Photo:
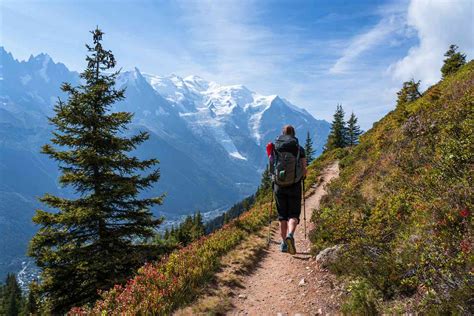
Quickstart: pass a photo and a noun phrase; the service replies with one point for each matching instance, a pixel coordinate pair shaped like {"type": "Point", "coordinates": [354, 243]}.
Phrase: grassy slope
{"type": "Point", "coordinates": [400, 205]}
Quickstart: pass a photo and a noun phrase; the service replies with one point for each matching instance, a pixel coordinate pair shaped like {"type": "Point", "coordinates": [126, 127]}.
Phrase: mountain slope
{"type": "Point", "coordinates": [401, 208]}
{"type": "Point", "coordinates": [209, 154]}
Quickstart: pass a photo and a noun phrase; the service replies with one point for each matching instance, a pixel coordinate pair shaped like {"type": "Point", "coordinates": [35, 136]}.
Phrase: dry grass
{"type": "Point", "coordinates": [215, 298]}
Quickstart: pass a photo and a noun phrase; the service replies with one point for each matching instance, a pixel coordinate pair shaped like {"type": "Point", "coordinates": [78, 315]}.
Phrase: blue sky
{"type": "Point", "coordinates": [314, 53]}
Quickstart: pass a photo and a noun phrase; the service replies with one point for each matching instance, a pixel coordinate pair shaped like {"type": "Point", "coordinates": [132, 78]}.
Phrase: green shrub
{"type": "Point", "coordinates": [363, 299]}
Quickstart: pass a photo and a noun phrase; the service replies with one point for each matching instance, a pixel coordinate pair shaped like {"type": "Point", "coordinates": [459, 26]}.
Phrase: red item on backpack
{"type": "Point", "coordinates": [270, 148]}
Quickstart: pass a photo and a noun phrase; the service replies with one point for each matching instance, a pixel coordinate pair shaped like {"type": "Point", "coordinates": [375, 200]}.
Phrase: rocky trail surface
{"type": "Point", "coordinates": [282, 284]}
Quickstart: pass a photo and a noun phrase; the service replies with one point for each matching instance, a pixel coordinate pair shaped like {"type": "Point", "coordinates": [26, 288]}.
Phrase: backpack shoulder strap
{"type": "Point", "coordinates": [297, 163]}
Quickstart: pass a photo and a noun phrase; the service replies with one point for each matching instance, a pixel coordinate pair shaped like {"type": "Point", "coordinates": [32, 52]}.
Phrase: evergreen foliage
{"type": "Point", "coordinates": [265, 183]}
{"type": "Point", "coordinates": [338, 136]}
{"type": "Point", "coordinates": [308, 149]}
{"type": "Point", "coordinates": [409, 92]}
{"type": "Point", "coordinates": [191, 229]}
{"type": "Point", "coordinates": [93, 240]}
{"type": "Point", "coordinates": [353, 131]}
{"type": "Point", "coordinates": [11, 299]}
{"type": "Point", "coordinates": [454, 60]}
{"type": "Point", "coordinates": [32, 301]}
{"type": "Point", "coordinates": [234, 212]}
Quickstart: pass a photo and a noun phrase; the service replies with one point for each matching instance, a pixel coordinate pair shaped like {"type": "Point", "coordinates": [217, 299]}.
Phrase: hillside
{"type": "Point", "coordinates": [401, 210]}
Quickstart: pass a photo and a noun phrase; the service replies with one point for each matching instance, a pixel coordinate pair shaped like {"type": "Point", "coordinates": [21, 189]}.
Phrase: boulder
{"type": "Point", "coordinates": [329, 256]}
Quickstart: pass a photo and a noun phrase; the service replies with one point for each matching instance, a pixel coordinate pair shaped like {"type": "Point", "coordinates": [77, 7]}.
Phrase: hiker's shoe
{"type": "Point", "coordinates": [283, 247]}
{"type": "Point", "coordinates": [290, 243]}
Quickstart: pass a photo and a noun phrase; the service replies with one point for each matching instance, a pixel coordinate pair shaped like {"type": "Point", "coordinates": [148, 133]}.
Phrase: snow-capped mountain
{"type": "Point", "coordinates": [232, 112]}
{"type": "Point", "coordinates": [208, 137]}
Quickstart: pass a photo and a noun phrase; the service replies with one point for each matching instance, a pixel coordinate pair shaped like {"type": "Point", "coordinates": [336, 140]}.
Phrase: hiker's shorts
{"type": "Point", "coordinates": [288, 202]}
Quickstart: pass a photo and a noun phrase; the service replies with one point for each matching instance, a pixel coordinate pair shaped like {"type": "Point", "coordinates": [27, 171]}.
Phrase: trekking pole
{"type": "Point", "coordinates": [269, 238]}
{"type": "Point", "coordinates": [304, 211]}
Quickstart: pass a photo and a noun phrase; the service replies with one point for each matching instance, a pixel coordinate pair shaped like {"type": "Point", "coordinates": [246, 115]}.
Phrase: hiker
{"type": "Point", "coordinates": [288, 168]}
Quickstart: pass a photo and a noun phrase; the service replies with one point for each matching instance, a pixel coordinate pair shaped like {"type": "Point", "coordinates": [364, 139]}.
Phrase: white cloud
{"type": "Point", "coordinates": [438, 24]}
{"type": "Point", "coordinates": [366, 41]}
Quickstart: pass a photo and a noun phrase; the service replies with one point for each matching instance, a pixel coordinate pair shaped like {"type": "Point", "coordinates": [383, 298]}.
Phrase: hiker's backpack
{"type": "Point", "coordinates": [286, 168]}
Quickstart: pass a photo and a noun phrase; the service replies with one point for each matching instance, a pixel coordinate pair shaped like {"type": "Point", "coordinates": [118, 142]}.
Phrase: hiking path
{"type": "Point", "coordinates": [282, 284]}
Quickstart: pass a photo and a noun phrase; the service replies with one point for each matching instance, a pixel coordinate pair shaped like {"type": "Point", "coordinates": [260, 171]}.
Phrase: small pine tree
{"type": "Point", "coordinates": [93, 241]}
{"type": "Point", "coordinates": [226, 218]}
{"type": "Point", "coordinates": [11, 298]}
{"type": "Point", "coordinates": [308, 149]}
{"type": "Point", "coordinates": [265, 182]}
{"type": "Point", "coordinates": [454, 60]}
{"type": "Point", "coordinates": [353, 131]}
{"type": "Point", "coordinates": [409, 92]}
{"type": "Point", "coordinates": [199, 229]}
{"type": "Point", "coordinates": [338, 136]}
{"type": "Point", "coordinates": [166, 235]}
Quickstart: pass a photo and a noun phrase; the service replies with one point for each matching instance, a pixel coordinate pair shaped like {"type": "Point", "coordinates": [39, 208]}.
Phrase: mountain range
{"type": "Point", "coordinates": [208, 137]}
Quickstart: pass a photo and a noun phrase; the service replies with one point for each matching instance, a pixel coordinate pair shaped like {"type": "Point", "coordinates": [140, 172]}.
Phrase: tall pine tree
{"type": "Point", "coordinates": [454, 60]}
{"type": "Point", "coordinates": [338, 136]}
{"type": "Point", "coordinates": [93, 241]}
{"type": "Point", "coordinates": [353, 131]}
{"type": "Point", "coordinates": [308, 149]}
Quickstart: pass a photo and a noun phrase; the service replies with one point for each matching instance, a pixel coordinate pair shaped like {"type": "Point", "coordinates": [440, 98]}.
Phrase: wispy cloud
{"type": "Point", "coordinates": [237, 47]}
{"type": "Point", "coordinates": [232, 44]}
{"type": "Point", "coordinates": [392, 21]}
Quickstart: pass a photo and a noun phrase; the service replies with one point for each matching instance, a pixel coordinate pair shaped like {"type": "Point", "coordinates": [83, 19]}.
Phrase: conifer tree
{"type": "Point", "coordinates": [265, 182]}
{"type": "Point", "coordinates": [308, 149]}
{"type": "Point", "coordinates": [11, 299]}
{"type": "Point", "coordinates": [454, 60]}
{"type": "Point", "coordinates": [93, 241]}
{"type": "Point", "coordinates": [338, 136]}
{"type": "Point", "coordinates": [226, 218]}
{"type": "Point", "coordinates": [353, 131]}
{"type": "Point", "coordinates": [190, 229]}
{"type": "Point", "coordinates": [409, 92]}
{"type": "Point", "coordinates": [199, 229]}
{"type": "Point", "coordinates": [31, 304]}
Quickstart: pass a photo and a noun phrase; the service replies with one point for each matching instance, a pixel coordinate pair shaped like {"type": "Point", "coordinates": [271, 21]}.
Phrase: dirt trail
{"type": "Point", "coordinates": [290, 285]}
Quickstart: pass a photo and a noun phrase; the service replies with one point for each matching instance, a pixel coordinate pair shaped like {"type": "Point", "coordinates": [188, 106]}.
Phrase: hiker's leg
{"type": "Point", "coordinates": [295, 210]}
{"type": "Point", "coordinates": [293, 223]}
{"type": "Point", "coordinates": [282, 208]}
{"type": "Point", "coordinates": [283, 229]}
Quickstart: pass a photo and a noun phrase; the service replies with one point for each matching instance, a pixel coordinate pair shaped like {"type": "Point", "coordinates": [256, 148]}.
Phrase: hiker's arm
{"type": "Point", "coordinates": [303, 163]}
